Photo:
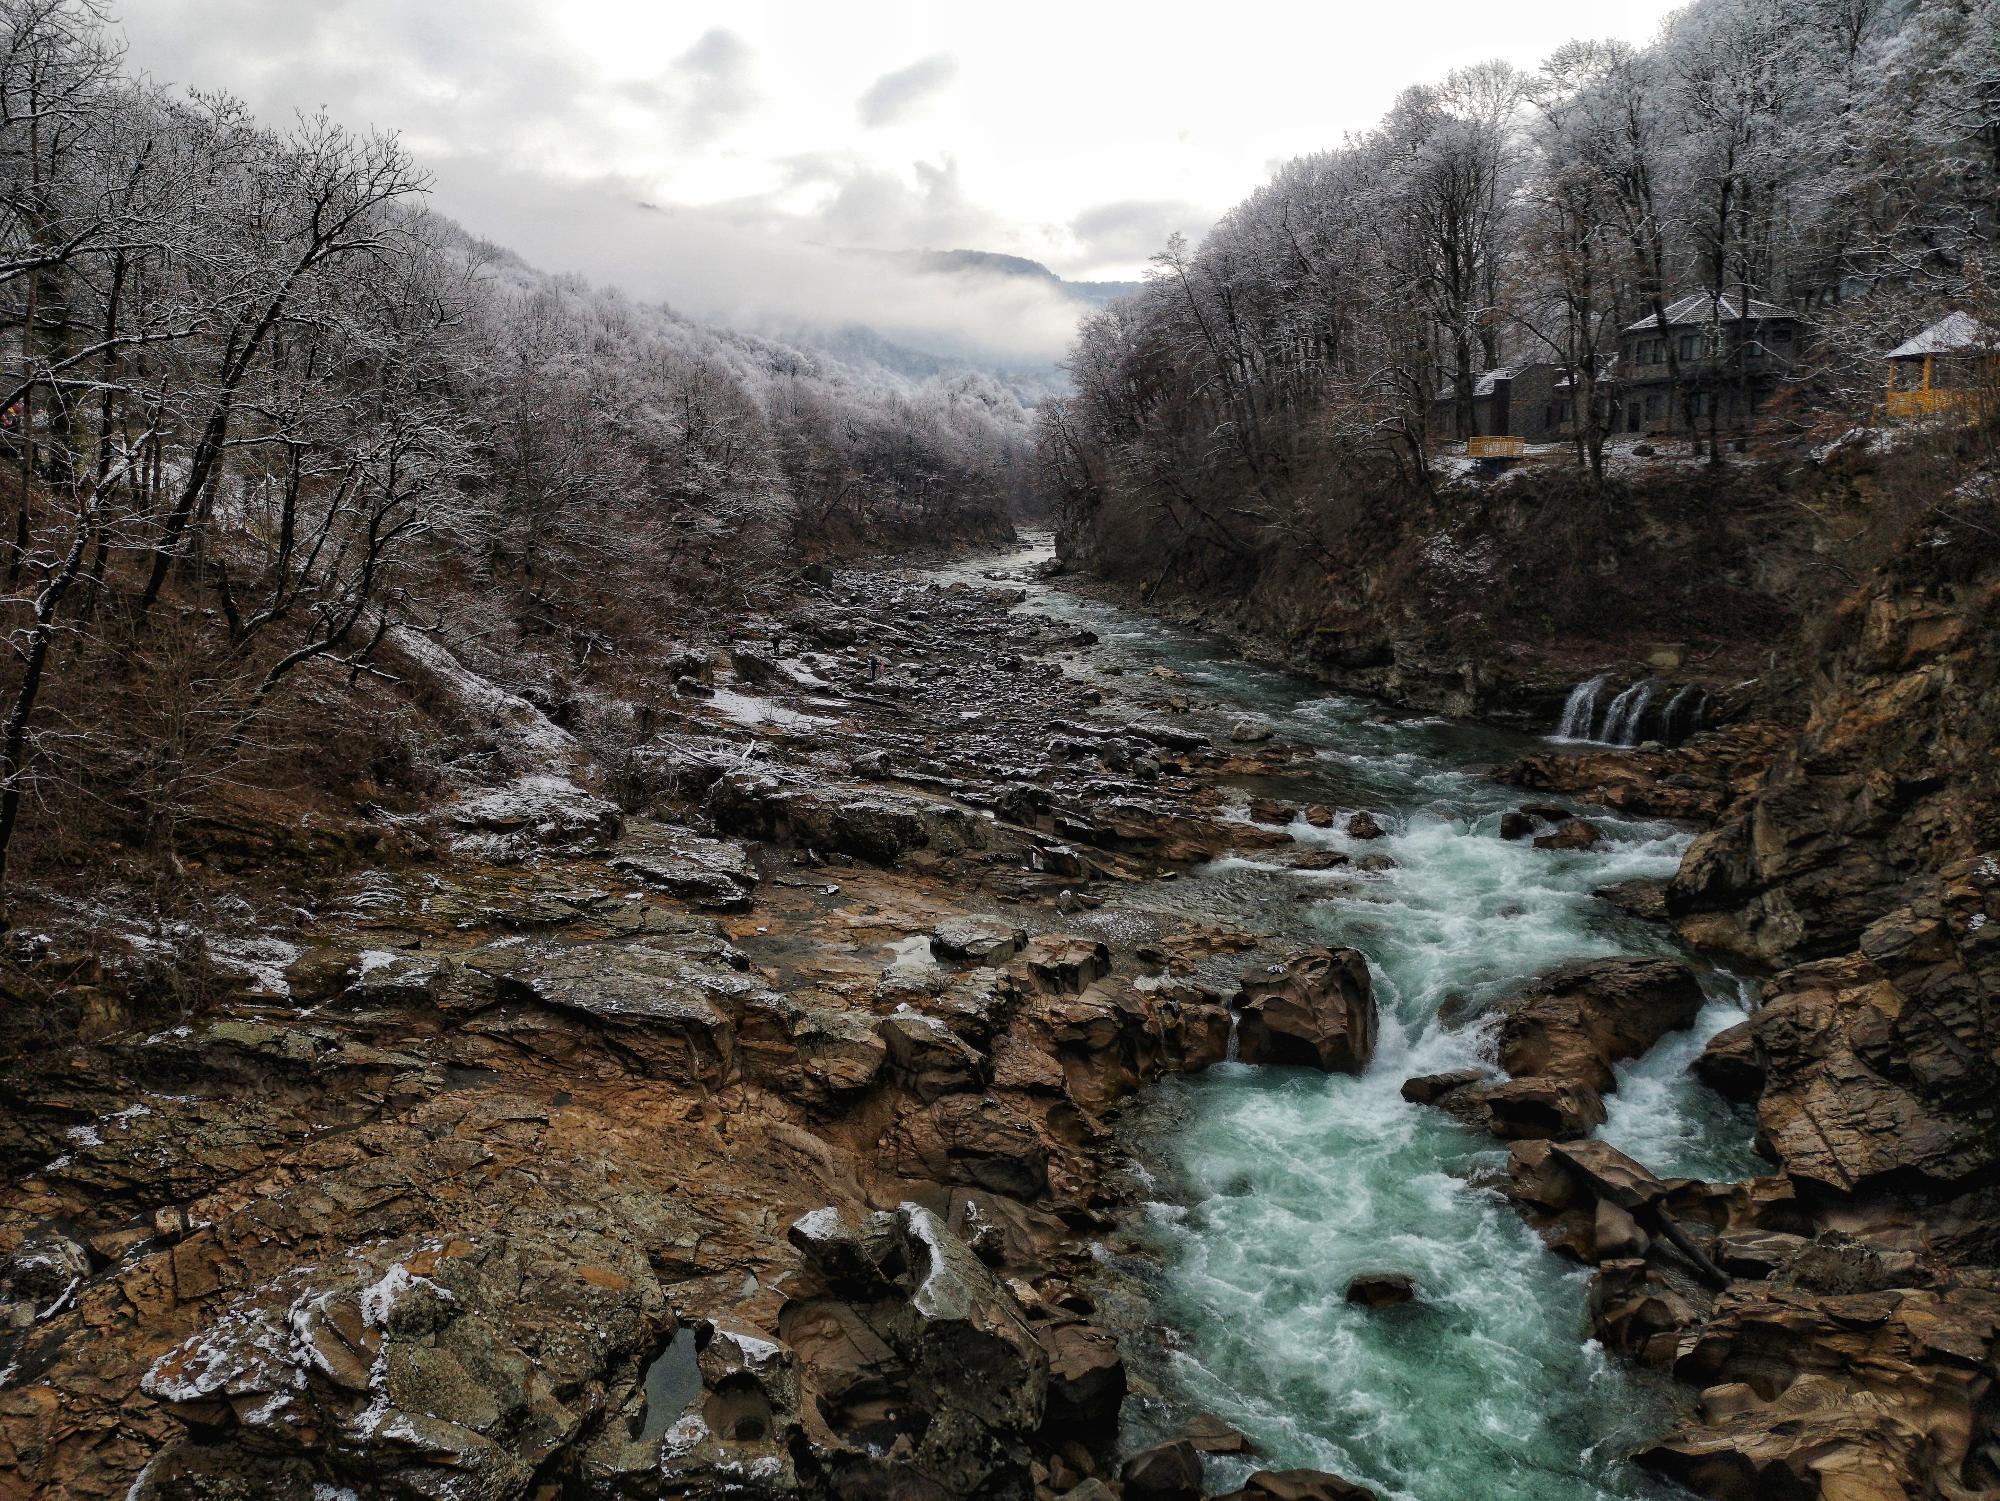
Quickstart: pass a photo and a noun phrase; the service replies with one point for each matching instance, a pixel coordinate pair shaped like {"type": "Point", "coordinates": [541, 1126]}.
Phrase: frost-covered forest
{"type": "Point", "coordinates": [1840, 158]}
{"type": "Point", "coordinates": [264, 412]}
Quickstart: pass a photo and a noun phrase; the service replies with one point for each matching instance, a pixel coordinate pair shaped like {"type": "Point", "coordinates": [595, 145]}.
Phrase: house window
{"type": "Point", "coordinates": [1655, 404]}
{"type": "Point", "coordinates": [1690, 345]}
{"type": "Point", "coordinates": [1698, 404]}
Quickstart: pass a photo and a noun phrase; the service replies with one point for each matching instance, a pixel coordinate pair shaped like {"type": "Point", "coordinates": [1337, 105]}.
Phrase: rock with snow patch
{"type": "Point", "coordinates": [532, 815]}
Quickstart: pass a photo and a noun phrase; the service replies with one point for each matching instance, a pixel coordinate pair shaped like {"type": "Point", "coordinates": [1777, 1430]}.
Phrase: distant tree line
{"type": "Point", "coordinates": [259, 408]}
{"type": "Point", "coordinates": [1838, 157]}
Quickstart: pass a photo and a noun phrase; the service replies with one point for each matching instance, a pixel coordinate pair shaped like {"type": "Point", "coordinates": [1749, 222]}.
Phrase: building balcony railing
{"type": "Point", "coordinates": [1972, 402]}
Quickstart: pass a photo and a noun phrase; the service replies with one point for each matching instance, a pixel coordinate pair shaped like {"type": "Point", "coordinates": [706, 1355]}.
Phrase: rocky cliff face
{"type": "Point", "coordinates": [1493, 599]}
{"type": "Point", "coordinates": [1841, 1317]}
{"type": "Point", "coordinates": [1865, 871]}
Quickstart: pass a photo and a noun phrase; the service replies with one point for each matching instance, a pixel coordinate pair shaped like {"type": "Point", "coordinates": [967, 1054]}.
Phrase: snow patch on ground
{"type": "Point", "coordinates": [751, 712]}
{"type": "Point", "coordinates": [264, 960]}
{"type": "Point", "coordinates": [530, 727]}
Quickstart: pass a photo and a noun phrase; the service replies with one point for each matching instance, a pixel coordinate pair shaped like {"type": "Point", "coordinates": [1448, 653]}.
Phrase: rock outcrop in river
{"type": "Point", "coordinates": [594, 1149]}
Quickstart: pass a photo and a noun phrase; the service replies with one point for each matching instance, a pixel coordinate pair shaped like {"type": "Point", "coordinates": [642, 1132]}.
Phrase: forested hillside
{"type": "Point", "coordinates": [265, 416]}
{"type": "Point", "coordinates": [1264, 417]}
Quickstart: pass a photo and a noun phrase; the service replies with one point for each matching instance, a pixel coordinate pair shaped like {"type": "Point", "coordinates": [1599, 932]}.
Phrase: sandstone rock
{"type": "Point", "coordinates": [1061, 962]}
{"type": "Point", "coordinates": [1312, 859]}
{"type": "Point", "coordinates": [1573, 834]}
{"type": "Point", "coordinates": [1783, 1414]}
{"type": "Point", "coordinates": [976, 1140]}
{"type": "Point", "coordinates": [1516, 825]}
{"type": "Point", "coordinates": [1381, 1289]}
{"type": "Point", "coordinates": [706, 873]}
{"type": "Point", "coordinates": [1298, 1485]}
{"type": "Point", "coordinates": [38, 1277]}
{"type": "Point", "coordinates": [669, 1001]}
{"type": "Point", "coordinates": [1318, 1009]}
{"type": "Point", "coordinates": [977, 940]}
{"type": "Point", "coordinates": [937, 1385]}
{"type": "Point", "coordinates": [411, 1361]}
{"type": "Point", "coordinates": [532, 815]}
{"type": "Point", "coordinates": [1729, 1063]}
{"type": "Point", "coordinates": [1559, 1039]}
{"type": "Point", "coordinates": [1165, 1472]}
{"type": "Point", "coordinates": [1843, 1104]}
{"type": "Point", "coordinates": [1266, 810]}
{"type": "Point", "coordinates": [879, 827]}
{"type": "Point", "coordinates": [1643, 897]}
{"type": "Point", "coordinates": [1211, 1435]}
{"type": "Point", "coordinates": [1167, 736]}
{"type": "Point", "coordinates": [1086, 1377]}
{"type": "Point", "coordinates": [1428, 1089]}
{"type": "Point", "coordinates": [1364, 826]}
{"type": "Point", "coordinates": [1249, 732]}
{"type": "Point", "coordinates": [1319, 816]}
{"type": "Point", "coordinates": [926, 1059]}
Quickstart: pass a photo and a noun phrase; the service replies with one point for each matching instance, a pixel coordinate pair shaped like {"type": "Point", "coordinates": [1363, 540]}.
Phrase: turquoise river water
{"type": "Point", "coordinates": [1268, 1189]}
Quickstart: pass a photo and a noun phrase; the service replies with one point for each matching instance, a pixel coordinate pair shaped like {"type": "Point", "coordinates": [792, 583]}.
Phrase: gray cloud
{"type": "Point", "coordinates": [1133, 229]}
{"type": "Point", "coordinates": [894, 96]}
{"type": "Point", "coordinates": [746, 265]}
{"type": "Point", "coordinates": [504, 112]}
{"type": "Point", "coordinates": [707, 89]}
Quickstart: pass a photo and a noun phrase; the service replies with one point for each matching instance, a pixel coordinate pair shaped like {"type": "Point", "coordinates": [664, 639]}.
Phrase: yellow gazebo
{"type": "Point", "coordinates": [1952, 366]}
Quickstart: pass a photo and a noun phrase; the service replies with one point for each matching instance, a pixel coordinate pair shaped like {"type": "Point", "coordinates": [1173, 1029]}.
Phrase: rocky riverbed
{"type": "Point", "coordinates": [757, 1117]}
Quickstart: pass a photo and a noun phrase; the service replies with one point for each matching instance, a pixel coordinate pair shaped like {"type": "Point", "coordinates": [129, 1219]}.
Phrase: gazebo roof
{"type": "Point", "coordinates": [1951, 334]}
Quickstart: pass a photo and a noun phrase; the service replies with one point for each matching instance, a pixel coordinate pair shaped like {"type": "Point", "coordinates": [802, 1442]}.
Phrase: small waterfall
{"type": "Point", "coordinates": [1684, 714]}
{"type": "Point", "coordinates": [1628, 709]}
{"type": "Point", "coordinates": [1580, 712]}
{"type": "Point", "coordinates": [1635, 714]}
{"type": "Point", "coordinates": [1229, 1047]}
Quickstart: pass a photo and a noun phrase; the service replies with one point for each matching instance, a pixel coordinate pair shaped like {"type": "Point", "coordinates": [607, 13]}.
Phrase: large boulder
{"type": "Point", "coordinates": [1560, 1037]}
{"type": "Point", "coordinates": [1864, 1395]}
{"type": "Point", "coordinates": [532, 815]}
{"type": "Point", "coordinates": [921, 1372]}
{"type": "Point", "coordinates": [879, 827]}
{"type": "Point", "coordinates": [1298, 1485]}
{"type": "Point", "coordinates": [1317, 1009]}
{"type": "Point", "coordinates": [706, 873]}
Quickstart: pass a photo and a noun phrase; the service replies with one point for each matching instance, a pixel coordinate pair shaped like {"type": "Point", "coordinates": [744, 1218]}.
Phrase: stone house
{"type": "Point", "coordinates": [1724, 356]}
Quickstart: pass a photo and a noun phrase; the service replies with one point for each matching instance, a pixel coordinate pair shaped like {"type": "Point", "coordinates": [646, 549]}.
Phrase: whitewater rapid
{"type": "Point", "coordinates": [1269, 1189]}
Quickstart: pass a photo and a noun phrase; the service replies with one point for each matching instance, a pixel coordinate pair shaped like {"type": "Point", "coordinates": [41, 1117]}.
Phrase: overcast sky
{"type": "Point", "coordinates": [714, 154]}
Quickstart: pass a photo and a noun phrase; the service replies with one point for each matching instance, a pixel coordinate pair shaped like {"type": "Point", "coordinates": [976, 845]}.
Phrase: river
{"type": "Point", "coordinates": [1266, 1190]}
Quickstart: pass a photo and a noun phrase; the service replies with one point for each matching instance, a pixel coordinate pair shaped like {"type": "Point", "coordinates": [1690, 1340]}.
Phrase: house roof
{"type": "Point", "coordinates": [1949, 335]}
{"type": "Point", "coordinates": [1607, 367]}
{"type": "Point", "coordinates": [1485, 382]}
{"type": "Point", "coordinates": [1702, 307]}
